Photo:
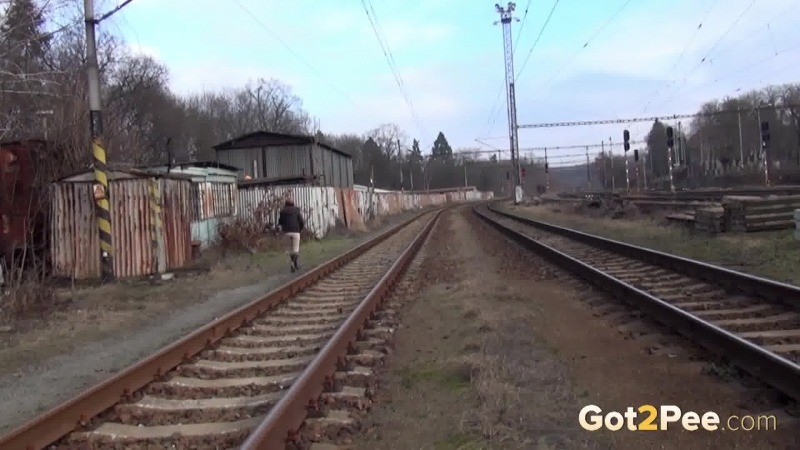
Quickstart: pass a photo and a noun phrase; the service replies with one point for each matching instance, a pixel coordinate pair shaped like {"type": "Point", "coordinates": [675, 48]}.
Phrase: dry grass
{"type": "Point", "coordinates": [84, 314]}
{"type": "Point", "coordinates": [769, 254]}
{"type": "Point", "coordinates": [25, 300]}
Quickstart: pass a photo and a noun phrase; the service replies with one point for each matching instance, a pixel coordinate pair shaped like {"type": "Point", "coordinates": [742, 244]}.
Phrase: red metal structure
{"type": "Point", "coordinates": [21, 205]}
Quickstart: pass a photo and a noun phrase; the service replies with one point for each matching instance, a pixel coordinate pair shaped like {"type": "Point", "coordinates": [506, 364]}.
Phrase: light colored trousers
{"type": "Point", "coordinates": [295, 242]}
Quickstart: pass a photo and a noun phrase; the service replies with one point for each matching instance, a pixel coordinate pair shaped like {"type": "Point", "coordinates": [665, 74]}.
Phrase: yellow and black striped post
{"type": "Point", "coordinates": [101, 192]}
{"type": "Point", "coordinates": [102, 207]}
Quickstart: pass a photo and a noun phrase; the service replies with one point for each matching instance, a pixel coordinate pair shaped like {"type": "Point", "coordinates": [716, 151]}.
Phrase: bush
{"type": "Point", "coordinates": [254, 233]}
{"type": "Point", "coordinates": [27, 299]}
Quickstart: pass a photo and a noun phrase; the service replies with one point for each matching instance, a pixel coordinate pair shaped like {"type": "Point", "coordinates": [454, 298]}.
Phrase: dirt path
{"type": "Point", "coordinates": [108, 328]}
{"type": "Point", "coordinates": [499, 350]}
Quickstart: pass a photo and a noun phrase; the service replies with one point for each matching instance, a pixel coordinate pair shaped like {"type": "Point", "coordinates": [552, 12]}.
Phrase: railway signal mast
{"type": "Point", "coordinates": [626, 141]}
{"type": "Point", "coordinates": [506, 17]}
{"type": "Point", "coordinates": [670, 146]}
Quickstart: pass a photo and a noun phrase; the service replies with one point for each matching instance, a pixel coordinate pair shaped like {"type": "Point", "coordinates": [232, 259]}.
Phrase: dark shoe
{"type": "Point", "coordinates": [295, 265]}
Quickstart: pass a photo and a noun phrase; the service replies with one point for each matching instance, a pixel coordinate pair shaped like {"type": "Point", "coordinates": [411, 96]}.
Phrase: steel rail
{"type": "Point", "coordinates": [77, 412]}
{"type": "Point", "coordinates": [769, 367]}
{"type": "Point", "coordinates": [771, 290]}
{"type": "Point", "coordinates": [287, 416]}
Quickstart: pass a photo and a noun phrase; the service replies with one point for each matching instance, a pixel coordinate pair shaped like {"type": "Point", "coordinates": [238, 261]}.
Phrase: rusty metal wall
{"type": "Point", "coordinates": [213, 199]}
{"type": "Point", "coordinates": [74, 242]}
{"type": "Point", "coordinates": [176, 216]}
{"type": "Point", "coordinates": [74, 247]}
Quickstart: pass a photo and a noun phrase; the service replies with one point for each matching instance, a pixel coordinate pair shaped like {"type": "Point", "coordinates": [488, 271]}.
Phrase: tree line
{"type": "Point", "coordinates": [722, 142]}
{"type": "Point", "coordinates": [43, 92]}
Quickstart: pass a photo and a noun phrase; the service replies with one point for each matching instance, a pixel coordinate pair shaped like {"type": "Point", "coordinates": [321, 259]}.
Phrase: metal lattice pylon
{"type": "Point", "coordinates": [506, 17]}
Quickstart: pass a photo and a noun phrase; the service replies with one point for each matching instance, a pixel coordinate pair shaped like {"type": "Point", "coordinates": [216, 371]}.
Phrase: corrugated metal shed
{"type": "Point", "coordinates": [214, 196]}
{"type": "Point", "coordinates": [150, 224]}
{"type": "Point", "coordinates": [265, 155]}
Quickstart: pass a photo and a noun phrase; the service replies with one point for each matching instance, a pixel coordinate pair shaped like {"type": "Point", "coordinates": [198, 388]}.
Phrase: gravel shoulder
{"type": "Point", "coordinates": [105, 329]}
{"type": "Point", "coordinates": [501, 350]}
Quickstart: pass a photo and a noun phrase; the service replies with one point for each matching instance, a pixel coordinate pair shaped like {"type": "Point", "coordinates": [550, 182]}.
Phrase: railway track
{"type": "Point", "coordinates": [752, 322]}
{"type": "Point", "coordinates": [247, 379]}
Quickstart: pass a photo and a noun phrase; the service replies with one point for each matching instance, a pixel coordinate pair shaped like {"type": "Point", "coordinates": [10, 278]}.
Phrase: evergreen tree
{"type": "Point", "coordinates": [657, 148]}
{"type": "Point", "coordinates": [441, 148]}
{"type": "Point", "coordinates": [23, 42]}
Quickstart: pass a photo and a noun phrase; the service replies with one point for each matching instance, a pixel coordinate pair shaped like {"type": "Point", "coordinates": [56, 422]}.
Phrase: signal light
{"type": "Point", "coordinates": [670, 140]}
{"type": "Point", "coordinates": [524, 171]}
{"type": "Point", "coordinates": [626, 137]}
{"type": "Point", "coordinates": [546, 168]}
{"type": "Point", "coordinates": [765, 134]}
{"type": "Point", "coordinates": [636, 155]}
{"type": "Point", "coordinates": [508, 177]}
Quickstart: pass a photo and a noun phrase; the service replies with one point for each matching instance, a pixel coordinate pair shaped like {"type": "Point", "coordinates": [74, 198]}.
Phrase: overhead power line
{"type": "Point", "coordinates": [649, 119]}
{"type": "Point", "coordinates": [710, 51]}
{"type": "Point", "coordinates": [387, 53]}
{"type": "Point", "coordinates": [495, 112]}
{"type": "Point", "coordinates": [584, 46]}
{"type": "Point", "coordinates": [539, 36]}
{"type": "Point", "coordinates": [683, 52]}
{"type": "Point", "coordinates": [297, 55]}
{"type": "Point", "coordinates": [522, 24]}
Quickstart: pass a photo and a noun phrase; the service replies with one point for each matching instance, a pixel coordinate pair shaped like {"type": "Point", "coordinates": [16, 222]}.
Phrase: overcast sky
{"type": "Point", "coordinates": [643, 58]}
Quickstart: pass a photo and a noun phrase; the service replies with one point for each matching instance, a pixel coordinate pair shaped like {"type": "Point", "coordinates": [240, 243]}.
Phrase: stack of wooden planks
{"type": "Point", "coordinates": [797, 224]}
{"type": "Point", "coordinates": [710, 219]}
{"type": "Point", "coordinates": [745, 213]}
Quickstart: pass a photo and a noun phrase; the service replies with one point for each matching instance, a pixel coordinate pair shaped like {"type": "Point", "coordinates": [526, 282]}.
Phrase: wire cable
{"type": "Point", "coordinates": [390, 61]}
{"type": "Point", "coordinates": [541, 31]}
{"type": "Point", "coordinates": [297, 55]}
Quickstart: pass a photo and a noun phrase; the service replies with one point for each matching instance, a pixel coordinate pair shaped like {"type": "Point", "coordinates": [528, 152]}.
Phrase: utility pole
{"type": "Point", "coordinates": [101, 194]}
{"type": "Point", "coordinates": [605, 164]}
{"type": "Point", "coordinates": [741, 143]}
{"type": "Point", "coordinates": [644, 171]}
{"type": "Point", "coordinates": [764, 148]}
{"type": "Point", "coordinates": [670, 146]}
{"type": "Point", "coordinates": [681, 149]}
{"type": "Point", "coordinates": [588, 171]}
{"type": "Point", "coordinates": [465, 174]}
{"type": "Point", "coordinates": [758, 115]}
{"type": "Point", "coordinates": [546, 173]}
{"type": "Point", "coordinates": [400, 157]}
{"type": "Point", "coordinates": [625, 147]}
{"type": "Point", "coordinates": [611, 152]}
{"type": "Point", "coordinates": [505, 19]}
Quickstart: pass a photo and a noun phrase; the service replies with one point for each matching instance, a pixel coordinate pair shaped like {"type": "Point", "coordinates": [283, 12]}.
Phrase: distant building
{"type": "Point", "coordinates": [265, 155]}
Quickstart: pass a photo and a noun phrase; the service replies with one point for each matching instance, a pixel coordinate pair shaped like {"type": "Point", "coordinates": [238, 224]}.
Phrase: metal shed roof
{"type": "Point", "coordinates": [277, 181]}
{"type": "Point", "coordinates": [200, 172]}
{"type": "Point", "coordinates": [269, 139]}
{"type": "Point", "coordinates": [115, 174]}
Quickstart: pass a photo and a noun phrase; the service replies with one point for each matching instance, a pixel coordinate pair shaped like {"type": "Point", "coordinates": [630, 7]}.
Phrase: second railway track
{"type": "Point", "coordinates": [254, 378]}
{"type": "Point", "coordinates": [753, 322]}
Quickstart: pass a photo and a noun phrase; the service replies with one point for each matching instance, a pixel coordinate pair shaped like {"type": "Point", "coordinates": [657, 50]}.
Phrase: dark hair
{"type": "Point", "coordinates": [289, 202]}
